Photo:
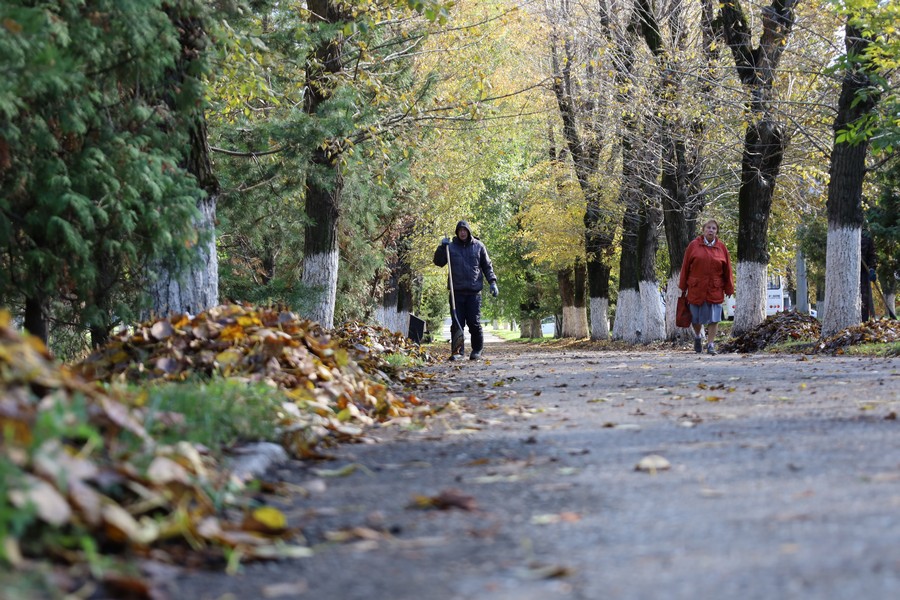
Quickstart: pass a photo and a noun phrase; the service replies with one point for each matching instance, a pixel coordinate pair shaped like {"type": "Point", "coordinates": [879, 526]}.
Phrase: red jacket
{"type": "Point", "coordinates": [706, 272]}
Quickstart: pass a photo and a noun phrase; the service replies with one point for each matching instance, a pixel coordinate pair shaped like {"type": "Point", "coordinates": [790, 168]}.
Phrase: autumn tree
{"type": "Point", "coordinates": [764, 144]}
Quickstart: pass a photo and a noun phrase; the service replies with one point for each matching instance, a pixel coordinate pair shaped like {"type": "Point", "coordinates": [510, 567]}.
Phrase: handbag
{"type": "Point", "coordinates": [682, 312]}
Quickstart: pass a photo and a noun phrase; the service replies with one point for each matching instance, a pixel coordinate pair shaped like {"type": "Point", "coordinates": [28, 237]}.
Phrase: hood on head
{"type": "Point", "coordinates": [463, 225]}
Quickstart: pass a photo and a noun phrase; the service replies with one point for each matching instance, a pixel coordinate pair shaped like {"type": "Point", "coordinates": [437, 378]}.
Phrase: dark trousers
{"type": "Point", "coordinates": [468, 314]}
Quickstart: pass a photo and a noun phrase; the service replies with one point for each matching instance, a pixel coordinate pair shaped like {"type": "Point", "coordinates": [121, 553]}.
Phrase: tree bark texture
{"type": "Point", "coordinates": [195, 287]}
{"type": "Point", "coordinates": [842, 294]}
{"type": "Point", "coordinates": [571, 283]}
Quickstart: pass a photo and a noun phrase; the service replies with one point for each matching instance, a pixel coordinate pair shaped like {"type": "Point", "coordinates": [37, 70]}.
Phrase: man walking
{"type": "Point", "coordinates": [469, 265]}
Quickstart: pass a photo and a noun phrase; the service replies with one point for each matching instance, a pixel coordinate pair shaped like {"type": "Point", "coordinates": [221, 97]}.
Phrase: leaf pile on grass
{"type": "Point", "coordinates": [81, 478]}
{"type": "Point", "coordinates": [330, 395]}
{"type": "Point", "coordinates": [881, 331]}
{"type": "Point", "coordinates": [778, 328]}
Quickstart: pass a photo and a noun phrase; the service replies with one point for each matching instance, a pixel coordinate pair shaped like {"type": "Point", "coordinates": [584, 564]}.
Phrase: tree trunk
{"type": "Point", "coordinates": [653, 316]}
{"type": "Point", "coordinates": [628, 308]}
{"type": "Point", "coordinates": [571, 288]}
{"type": "Point", "coordinates": [194, 287]}
{"type": "Point", "coordinates": [320, 248]}
{"type": "Point", "coordinates": [324, 184]}
{"type": "Point", "coordinates": [764, 146]}
{"type": "Point", "coordinates": [386, 314]}
{"type": "Point", "coordinates": [845, 215]}
{"type": "Point", "coordinates": [530, 328]}
{"type": "Point", "coordinates": [35, 319]}
{"type": "Point", "coordinates": [598, 286]}
{"type": "Point", "coordinates": [802, 303]}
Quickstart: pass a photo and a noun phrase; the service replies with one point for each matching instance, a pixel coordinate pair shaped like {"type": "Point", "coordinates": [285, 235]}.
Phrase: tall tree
{"type": "Point", "coordinates": [582, 130]}
{"type": "Point", "coordinates": [848, 168]}
{"type": "Point", "coordinates": [764, 145]}
{"type": "Point", "coordinates": [192, 285]}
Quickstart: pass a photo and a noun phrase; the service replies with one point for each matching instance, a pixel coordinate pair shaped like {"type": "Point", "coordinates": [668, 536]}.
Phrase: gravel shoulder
{"type": "Point", "coordinates": [784, 482]}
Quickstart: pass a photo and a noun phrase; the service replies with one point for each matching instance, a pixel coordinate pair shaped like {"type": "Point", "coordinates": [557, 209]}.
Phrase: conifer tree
{"type": "Point", "coordinates": [91, 183]}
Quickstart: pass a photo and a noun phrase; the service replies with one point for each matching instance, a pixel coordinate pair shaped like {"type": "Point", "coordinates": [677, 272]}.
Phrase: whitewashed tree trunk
{"type": "Point", "coordinates": [401, 322]}
{"type": "Point", "coordinates": [842, 295]}
{"type": "Point", "coordinates": [194, 288]}
{"type": "Point", "coordinates": [599, 318]}
{"type": "Point", "coordinates": [802, 285]}
{"type": "Point", "coordinates": [628, 316]}
{"type": "Point", "coordinates": [750, 306]}
{"type": "Point", "coordinates": [653, 327]}
{"type": "Point", "coordinates": [320, 275]}
{"type": "Point", "coordinates": [890, 299]}
{"type": "Point", "coordinates": [575, 324]}
{"type": "Point", "coordinates": [845, 215]}
{"type": "Point", "coordinates": [530, 328]}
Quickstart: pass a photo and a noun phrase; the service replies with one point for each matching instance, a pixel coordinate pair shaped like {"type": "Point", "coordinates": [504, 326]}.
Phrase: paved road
{"type": "Point", "coordinates": [784, 483]}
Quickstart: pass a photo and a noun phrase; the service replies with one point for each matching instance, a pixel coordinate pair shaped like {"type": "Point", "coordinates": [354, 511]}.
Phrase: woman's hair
{"type": "Point", "coordinates": [708, 221]}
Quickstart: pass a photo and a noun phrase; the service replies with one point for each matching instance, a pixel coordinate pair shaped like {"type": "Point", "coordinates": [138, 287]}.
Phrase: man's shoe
{"type": "Point", "coordinates": [475, 356]}
{"type": "Point", "coordinates": [456, 357]}
{"type": "Point", "coordinates": [710, 349]}
{"type": "Point", "coordinates": [698, 345]}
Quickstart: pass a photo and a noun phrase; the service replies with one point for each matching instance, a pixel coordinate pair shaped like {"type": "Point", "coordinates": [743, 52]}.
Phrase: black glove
{"type": "Point", "coordinates": [494, 289]}
{"type": "Point", "coordinates": [445, 241]}
{"type": "Point", "coordinates": [872, 275]}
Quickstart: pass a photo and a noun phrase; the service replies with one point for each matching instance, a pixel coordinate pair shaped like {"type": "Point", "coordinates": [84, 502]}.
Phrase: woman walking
{"type": "Point", "coordinates": [706, 278]}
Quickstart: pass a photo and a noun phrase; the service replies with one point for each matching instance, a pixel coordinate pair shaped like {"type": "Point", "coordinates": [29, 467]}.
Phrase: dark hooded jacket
{"type": "Point", "coordinates": [469, 262]}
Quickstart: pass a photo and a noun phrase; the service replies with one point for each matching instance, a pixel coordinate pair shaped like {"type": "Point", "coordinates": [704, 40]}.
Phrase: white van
{"type": "Point", "coordinates": [774, 298]}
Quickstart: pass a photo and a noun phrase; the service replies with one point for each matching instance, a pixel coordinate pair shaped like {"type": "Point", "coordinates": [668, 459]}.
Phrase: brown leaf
{"type": "Point", "coordinates": [447, 499]}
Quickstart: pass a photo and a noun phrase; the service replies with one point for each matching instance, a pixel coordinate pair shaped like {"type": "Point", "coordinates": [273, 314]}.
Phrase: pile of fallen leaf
{"type": "Point", "coordinates": [81, 476]}
{"type": "Point", "coordinates": [329, 394]}
{"type": "Point", "coordinates": [371, 343]}
{"type": "Point", "coordinates": [882, 331]}
{"type": "Point", "coordinates": [780, 327]}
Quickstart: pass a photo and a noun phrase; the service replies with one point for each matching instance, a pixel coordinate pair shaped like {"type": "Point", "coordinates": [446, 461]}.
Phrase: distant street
{"type": "Point", "coordinates": [489, 338]}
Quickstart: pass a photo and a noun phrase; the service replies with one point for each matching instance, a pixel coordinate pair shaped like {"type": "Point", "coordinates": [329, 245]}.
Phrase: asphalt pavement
{"type": "Point", "coordinates": [584, 474]}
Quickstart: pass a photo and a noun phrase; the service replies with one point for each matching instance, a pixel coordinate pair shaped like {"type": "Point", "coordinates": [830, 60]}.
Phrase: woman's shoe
{"type": "Point", "coordinates": [711, 349]}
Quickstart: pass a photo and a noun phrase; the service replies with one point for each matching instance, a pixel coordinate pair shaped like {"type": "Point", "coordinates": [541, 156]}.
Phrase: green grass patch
{"type": "Point", "coordinates": [217, 414]}
{"type": "Point", "coordinates": [506, 334]}
{"type": "Point", "coordinates": [402, 361]}
{"type": "Point", "coordinates": [883, 350]}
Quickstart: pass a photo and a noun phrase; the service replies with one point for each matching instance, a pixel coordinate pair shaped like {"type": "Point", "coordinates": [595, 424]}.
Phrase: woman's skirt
{"type": "Point", "coordinates": [703, 314]}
